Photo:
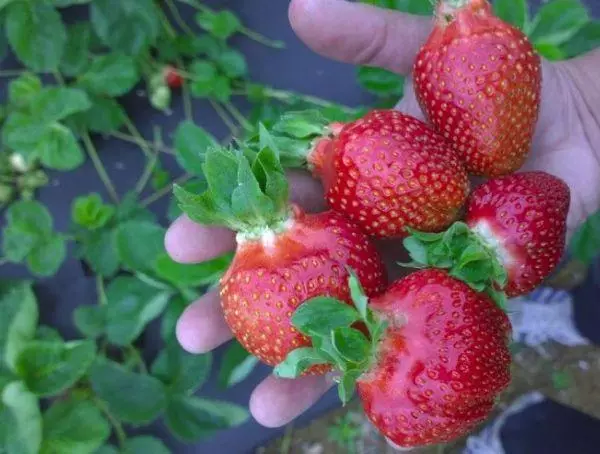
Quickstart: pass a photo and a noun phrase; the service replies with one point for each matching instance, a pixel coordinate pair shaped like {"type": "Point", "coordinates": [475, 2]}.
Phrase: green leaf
{"type": "Point", "coordinates": [221, 24]}
{"type": "Point", "coordinates": [232, 63]}
{"type": "Point", "coordinates": [133, 398]}
{"type": "Point", "coordinates": [50, 367]}
{"type": "Point", "coordinates": [145, 444]}
{"type": "Point", "coordinates": [23, 89]}
{"type": "Point", "coordinates": [99, 250]}
{"type": "Point", "coordinates": [130, 209]}
{"type": "Point", "coordinates": [181, 372]}
{"type": "Point", "coordinates": [75, 58]}
{"type": "Point", "coordinates": [585, 243]}
{"type": "Point", "coordinates": [168, 321]}
{"type": "Point", "coordinates": [320, 315]}
{"type": "Point", "coordinates": [47, 333]}
{"type": "Point", "coordinates": [91, 212]}
{"type": "Point", "coordinates": [90, 320]}
{"type": "Point", "coordinates": [351, 344]}
{"type": "Point", "coordinates": [46, 259]}
{"type": "Point", "coordinates": [56, 103]}
{"type": "Point", "coordinates": [110, 75]}
{"type": "Point", "coordinates": [420, 7]}
{"type": "Point", "coordinates": [558, 21]}
{"type": "Point", "coordinates": [58, 149]}
{"type": "Point", "coordinates": [298, 361]}
{"type": "Point", "coordinates": [18, 242]}
{"type": "Point", "coordinates": [191, 143]}
{"type": "Point", "coordinates": [221, 89]}
{"type": "Point", "coordinates": [74, 426]}
{"type": "Point", "coordinates": [381, 81]}
{"type": "Point", "coordinates": [106, 115]}
{"type": "Point", "coordinates": [37, 34]}
{"type": "Point", "coordinates": [272, 179]}
{"type": "Point", "coordinates": [515, 12]}
{"type": "Point", "coordinates": [20, 420]}
{"type": "Point", "coordinates": [139, 244]}
{"type": "Point", "coordinates": [191, 418]}
{"type": "Point", "coordinates": [65, 3]}
{"type": "Point", "coordinates": [128, 26]}
{"type": "Point", "coordinates": [18, 306]}
{"type": "Point", "coordinates": [131, 305]}
{"type": "Point", "coordinates": [347, 385]}
{"type": "Point", "coordinates": [107, 449]}
{"type": "Point", "coordinates": [195, 275]}
{"type": "Point", "coordinates": [204, 78]}
{"type": "Point", "coordinates": [237, 364]}
{"type": "Point", "coordinates": [22, 132]}
{"type": "Point", "coordinates": [248, 200]}
{"type": "Point", "coordinates": [30, 214]}
{"type": "Point", "coordinates": [586, 39]}
{"type": "Point", "coordinates": [359, 298]}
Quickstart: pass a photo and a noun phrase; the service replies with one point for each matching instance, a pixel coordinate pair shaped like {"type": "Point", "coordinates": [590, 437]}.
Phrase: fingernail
{"type": "Point", "coordinates": [396, 447]}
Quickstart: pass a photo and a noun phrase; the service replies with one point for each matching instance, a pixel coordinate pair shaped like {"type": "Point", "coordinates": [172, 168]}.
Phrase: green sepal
{"type": "Point", "coordinates": [333, 328]}
{"type": "Point", "coordinates": [247, 191]}
{"type": "Point", "coordinates": [301, 124]}
{"type": "Point", "coordinates": [464, 254]}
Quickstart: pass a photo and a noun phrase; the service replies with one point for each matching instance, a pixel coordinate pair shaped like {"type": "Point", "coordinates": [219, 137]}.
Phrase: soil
{"type": "Point", "coordinates": [569, 375]}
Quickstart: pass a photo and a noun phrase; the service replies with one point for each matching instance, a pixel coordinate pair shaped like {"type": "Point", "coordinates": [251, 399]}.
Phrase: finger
{"type": "Point", "coordinates": [277, 401]}
{"type": "Point", "coordinates": [202, 326]}
{"type": "Point", "coordinates": [189, 242]}
{"type": "Point", "coordinates": [360, 34]}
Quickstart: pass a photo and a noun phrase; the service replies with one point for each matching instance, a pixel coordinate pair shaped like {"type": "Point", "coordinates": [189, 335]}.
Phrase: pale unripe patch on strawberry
{"type": "Point", "coordinates": [484, 230]}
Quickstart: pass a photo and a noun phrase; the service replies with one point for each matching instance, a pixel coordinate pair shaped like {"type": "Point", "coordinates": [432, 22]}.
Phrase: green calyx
{"type": "Point", "coordinates": [293, 135]}
{"type": "Point", "coordinates": [328, 322]}
{"type": "Point", "coordinates": [464, 254]}
{"type": "Point", "coordinates": [247, 190]}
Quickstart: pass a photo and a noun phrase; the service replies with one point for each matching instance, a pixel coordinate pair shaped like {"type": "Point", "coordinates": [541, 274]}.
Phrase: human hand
{"type": "Point", "coordinates": [361, 34]}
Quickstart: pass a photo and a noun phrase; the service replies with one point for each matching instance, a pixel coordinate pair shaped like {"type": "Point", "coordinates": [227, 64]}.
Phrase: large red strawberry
{"type": "Point", "coordinates": [384, 171]}
{"type": "Point", "coordinates": [513, 238]}
{"type": "Point", "coordinates": [284, 256]}
{"type": "Point", "coordinates": [478, 81]}
{"type": "Point", "coordinates": [434, 362]}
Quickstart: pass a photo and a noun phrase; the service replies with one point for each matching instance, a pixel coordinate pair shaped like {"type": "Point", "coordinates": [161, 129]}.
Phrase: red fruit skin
{"type": "Point", "coordinates": [389, 170]}
{"type": "Point", "coordinates": [172, 77]}
{"type": "Point", "coordinates": [478, 81]}
{"type": "Point", "coordinates": [265, 284]}
{"type": "Point", "coordinates": [441, 364]}
{"type": "Point", "coordinates": [525, 216]}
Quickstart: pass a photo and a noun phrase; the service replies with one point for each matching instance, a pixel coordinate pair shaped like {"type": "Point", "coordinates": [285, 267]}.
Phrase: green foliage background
{"type": "Point", "coordinates": [64, 397]}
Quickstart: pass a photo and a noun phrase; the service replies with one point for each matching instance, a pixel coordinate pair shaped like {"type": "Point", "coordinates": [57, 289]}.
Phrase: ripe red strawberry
{"type": "Point", "coordinates": [433, 365]}
{"type": "Point", "coordinates": [284, 256]}
{"type": "Point", "coordinates": [172, 77]}
{"type": "Point", "coordinates": [385, 171]}
{"type": "Point", "coordinates": [478, 81]}
{"type": "Point", "coordinates": [513, 238]}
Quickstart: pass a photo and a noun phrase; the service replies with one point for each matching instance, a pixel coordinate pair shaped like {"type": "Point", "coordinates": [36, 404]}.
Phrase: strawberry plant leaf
{"type": "Point", "coordinates": [359, 298]}
{"type": "Point", "coordinates": [37, 34]}
{"type": "Point", "coordinates": [380, 81]}
{"type": "Point", "coordinates": [248, 200]}
{"type": "Point", "coordinates": [191, 143]}
{"type": "Point", "coordinates": [193, 275]}
{"type": "Point", "coordinates": [22, 132]}
{"type": "Point", "coordinates": [221, 171]}
{"type": "Point", "coordinates": [107, 449]}
{"type": "Point", "coordinates": [347, 385]}
{"type": "Point", "coordinates": [23, 89]}
{"type": "Point", "coordinates": [105, 115]}
{"type": "Point", "coordinates": [515, 12]}
{"type": "Point", "coordinates": [100, 252]}
{"type": "Point", "coordinates": [320, 315]}
{"type": "Point", "coordinates": [232, 63]}
{"type": "Point", "coordinates": [558, 21]}
{"type": "Point", "coordinates": [301, 124]}
{"type": "Point", "coordinates": [20, 420]}
{"type": "Point", "coordinates": [131, 305]}
{"type": "Point", "coordinates": [411, 6]}
{"type": "Point", "coordinates": [65, 3]}
{"type": "Point", "coordinates": [144, 444]}
{"type": "Point", "coordinates": [237, 364]}
{"type": "Point", "coordinates": [133, 398]}
{"type": "Point", "coordinates": [90, 320]}
{"type": "Point", "coordinates": [17, 243]}
{"type": "Point", "coordinates": [585, 243]}
{"type": "Point", "coordinates": [220, 24]}
{"type": "Point", "coordinates": [586, 39]}
{"type": "Point", "coordinates": [58, 149]}
{"type": "Point", "coordinates": [50, 367]}
{"type": "Point", "coordinates": [110, 75]}
{"type": "Point", "coordinates": [76, 54]}
{"type": "Point", "coordinates": [129, 26]}
{"type": "Point", "coordinates": [48, 256]}
{"type": "Point", "coordinates": [351, 344]}
{"type": "Point", "coordinates": [275, 186]}
{"type": "Point", "coordinates": [191, 418]}
{"type": "Point", "coordinates": [139, 244]}
{"type": "Point", "coordinates": [299, 360]}
{"type": "Point", "coordinates": [91, 212]}
{"type": "Point", "coordinates": [73, 426]}
{"type": "Point", "coordinates": [171, 315]}
{"type": "Point", "coordinates": [47, 333]}
{"type": "Point", "coordinates": [180, 371]}
{"type": "Point", "coordinates": [56, 103]}
{"type": "Point", "coordinates": [18, 306]}
{"type": "Point", "coordinates": [204, 77]}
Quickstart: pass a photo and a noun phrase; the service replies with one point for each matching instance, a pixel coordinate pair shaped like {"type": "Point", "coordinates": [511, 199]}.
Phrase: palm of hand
{"type": "Point", "coordinates": [361, 34]}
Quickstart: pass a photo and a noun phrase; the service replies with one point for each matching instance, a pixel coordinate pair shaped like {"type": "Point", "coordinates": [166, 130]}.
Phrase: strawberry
{"type": "Point", "coordinates": [478, 81]}
{"type": "Point", "coordinates": [435, 359]}
{"type": "Point", "coordinates": [384, 171]}
{"type": "Point", "coordinates": [513, 238]}
{"type": "Point", "coordinates": [172, 77]}
{"type": "Point", "coordinates": [284, 256]}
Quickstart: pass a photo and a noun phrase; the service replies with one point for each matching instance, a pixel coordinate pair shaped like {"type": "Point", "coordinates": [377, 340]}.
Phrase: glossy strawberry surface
{"type": "Point", "coordinates": [523, 216]}
{"type": "Point", "coordinates": [269, 279]}
{"type": "Point", "coordinates": [389, 170]}
{"type": "Point", "coordinates": [441, 364]}
{"type": "Point", "coordinates": [478, 81]}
